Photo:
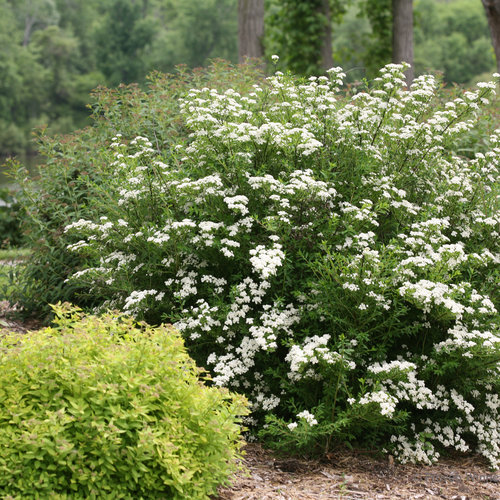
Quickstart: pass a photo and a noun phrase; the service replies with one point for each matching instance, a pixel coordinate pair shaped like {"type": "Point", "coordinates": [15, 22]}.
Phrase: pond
{"type": "Point", "coordinates": [29, 161]}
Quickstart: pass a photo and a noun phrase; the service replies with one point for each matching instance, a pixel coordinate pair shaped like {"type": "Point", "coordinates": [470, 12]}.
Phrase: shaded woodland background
{"type": "Point", "coordinates": [54, 52]}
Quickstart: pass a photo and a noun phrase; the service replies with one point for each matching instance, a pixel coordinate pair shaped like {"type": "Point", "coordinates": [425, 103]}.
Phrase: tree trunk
{"type": "Point", "coordinates": [326, 48]}
{"type": "Point", "coordinates": [492, 8]}
{"type": "Point", "coordinates": [402, 35]}
{"type": "Point", "coordinates": [29, 22]}
{"type": "Point", "coordinates": [250, 28]}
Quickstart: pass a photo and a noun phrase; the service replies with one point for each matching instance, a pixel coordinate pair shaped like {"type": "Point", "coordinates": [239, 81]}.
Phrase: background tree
{"type": "Point", "coordinates": [81, 19]}
{"type": "Point", "coordinates": [121, 42]}
{"type": "Point", "coordinates": [35, 14]}
{"type": "Point", "coordinates": [378, 41]}
{"type": "Point", "coordinates": [54, 52]}
{"type": "Point", "coordinates": [250, 28]}
{"type": "Point", "coordinates": [453, 38]}
{"type": "Point", "coordinates": [402, 35]}
{"type": "Point", "coordinates": [391, 38]}
{"type": "Point", "coordinates": [326, 45]}
{"type": "Point", "coordinates": [300, 33]}
{"type": "Point", "coordinates": [208, 29]}
{"type": "Point", "coordinates": [22, 84]}
{"type": "Point", "coordinates": [492, 9]}
{"type": "Point", "coordinates": [191, 32]}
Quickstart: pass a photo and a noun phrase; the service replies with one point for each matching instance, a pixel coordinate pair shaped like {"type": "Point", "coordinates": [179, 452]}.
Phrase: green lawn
{"type": "Point", "coordinates": [14, 253]}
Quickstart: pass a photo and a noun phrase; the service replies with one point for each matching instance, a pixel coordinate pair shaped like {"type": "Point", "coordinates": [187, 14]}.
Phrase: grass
{"type": "Point", "coordinates": [14, 254]}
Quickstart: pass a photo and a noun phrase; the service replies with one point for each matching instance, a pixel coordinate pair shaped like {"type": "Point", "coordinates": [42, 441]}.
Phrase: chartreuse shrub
{"type": "Point", "coordinates": [103, 407]}
{"type": "Point", "coordinates": [330, 257]}
{"type": "Point", "coordinates": [64, 187]}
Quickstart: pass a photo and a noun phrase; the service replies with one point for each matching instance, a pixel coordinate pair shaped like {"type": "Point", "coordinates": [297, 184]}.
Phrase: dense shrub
{"type": "Point", "coordinates": [10, 219]}
{"type": "Point", "coordinates": [65, 190]}
{"type": "Point", "coordinates": [107, 408]}
{"type": "Point", "coordinates": [331, 258]}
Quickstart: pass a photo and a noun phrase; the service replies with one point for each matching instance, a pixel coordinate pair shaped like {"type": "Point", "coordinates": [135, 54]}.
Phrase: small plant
{"type": "Point", "coordinates": [11, 261]}
{"type": "Point", "coordinates": [10, 220]}
{"type": "Point", "coordinates": [104, 407]}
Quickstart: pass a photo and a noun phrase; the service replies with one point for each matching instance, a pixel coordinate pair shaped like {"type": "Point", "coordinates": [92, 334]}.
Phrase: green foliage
{"type": "Point", "coordinates": [65, 188]}
{"type": "Point", "coordinates": [477, 139]}
{"type": "Point", "coordinates": [295, 32]}
{"type": "Point", "coordinates": [10, 219]}
{"type": "Point", "coordinates": [453, 38]}
{"type": "Point", "coordinates": [121, 42]}
{"type": "Point", "coordinates": [378, 42]}
{"type": "Point", "coordinates": [14, 253]}
{"type": "Point", "coordinates": [197, 31]}
{"type": "Point", "coordinates": [11, 259]}
{"type": "Point", "coordinates": [103, 407]}
{"type": "Point", "coordinates": [58, 192]}
{"type": "Point", "coordinates": [55, 52]}
{"type": "Point", "coordinates": [6, 281]}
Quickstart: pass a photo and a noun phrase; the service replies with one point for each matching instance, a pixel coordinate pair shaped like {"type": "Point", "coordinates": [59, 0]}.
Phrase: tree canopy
{"type": "Point", "coordinates": [54, 52]}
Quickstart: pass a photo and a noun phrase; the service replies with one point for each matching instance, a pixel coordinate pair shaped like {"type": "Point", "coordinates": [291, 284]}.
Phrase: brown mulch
{"type": "Point", "coordinates": [346, 475]}
{"type": "Point", "coordinates": [353, 475]}
{"type": "Point", "coordinates": [10, 324]}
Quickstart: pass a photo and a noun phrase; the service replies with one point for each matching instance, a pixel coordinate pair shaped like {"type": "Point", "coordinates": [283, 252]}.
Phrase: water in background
{"type": "Point", "coordinates": [31, 162]}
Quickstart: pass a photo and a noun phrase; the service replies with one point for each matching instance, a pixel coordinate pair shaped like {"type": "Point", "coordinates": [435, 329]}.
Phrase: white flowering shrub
{"type": "Point", "coordinates": [331, 258]}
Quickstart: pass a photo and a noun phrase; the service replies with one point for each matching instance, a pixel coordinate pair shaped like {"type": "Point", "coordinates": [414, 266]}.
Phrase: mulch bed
{"type": "Point", "coordinates": [353, 475]}
{"type": "Point", "coordinates": [9, 323]}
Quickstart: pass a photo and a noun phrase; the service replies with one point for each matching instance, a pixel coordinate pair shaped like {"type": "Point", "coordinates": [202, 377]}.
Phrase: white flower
{"type": "Point", "coordinates": [308, 417]}
{"type": "Point", "coordinates": [266, 261]}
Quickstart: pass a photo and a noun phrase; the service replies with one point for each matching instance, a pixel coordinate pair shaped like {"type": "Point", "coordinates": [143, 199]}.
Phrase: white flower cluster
{"type": "Point", "coordinates": [385, 401]}
{"type": "Point", "coordinates": [389, 367]}
{"type": "Point", "coordinates": [414, 451]}
{"type": "Point", "coordinates": [238, 203]}
{"type": "Point", "coordinates": [307, 417]}
{"type": "Point", "coordinates": [429, 293]}
{"type": "Point", "coordinates": [201, 318]}
{"type": "Point", "coordinates": [266, 261]}
{"type": "Point", "coordinates": [314, 350]}
{"type": "Point", "coordinates": [135, 298]}
{"type": "Point", "coordinates": [460, 338]}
